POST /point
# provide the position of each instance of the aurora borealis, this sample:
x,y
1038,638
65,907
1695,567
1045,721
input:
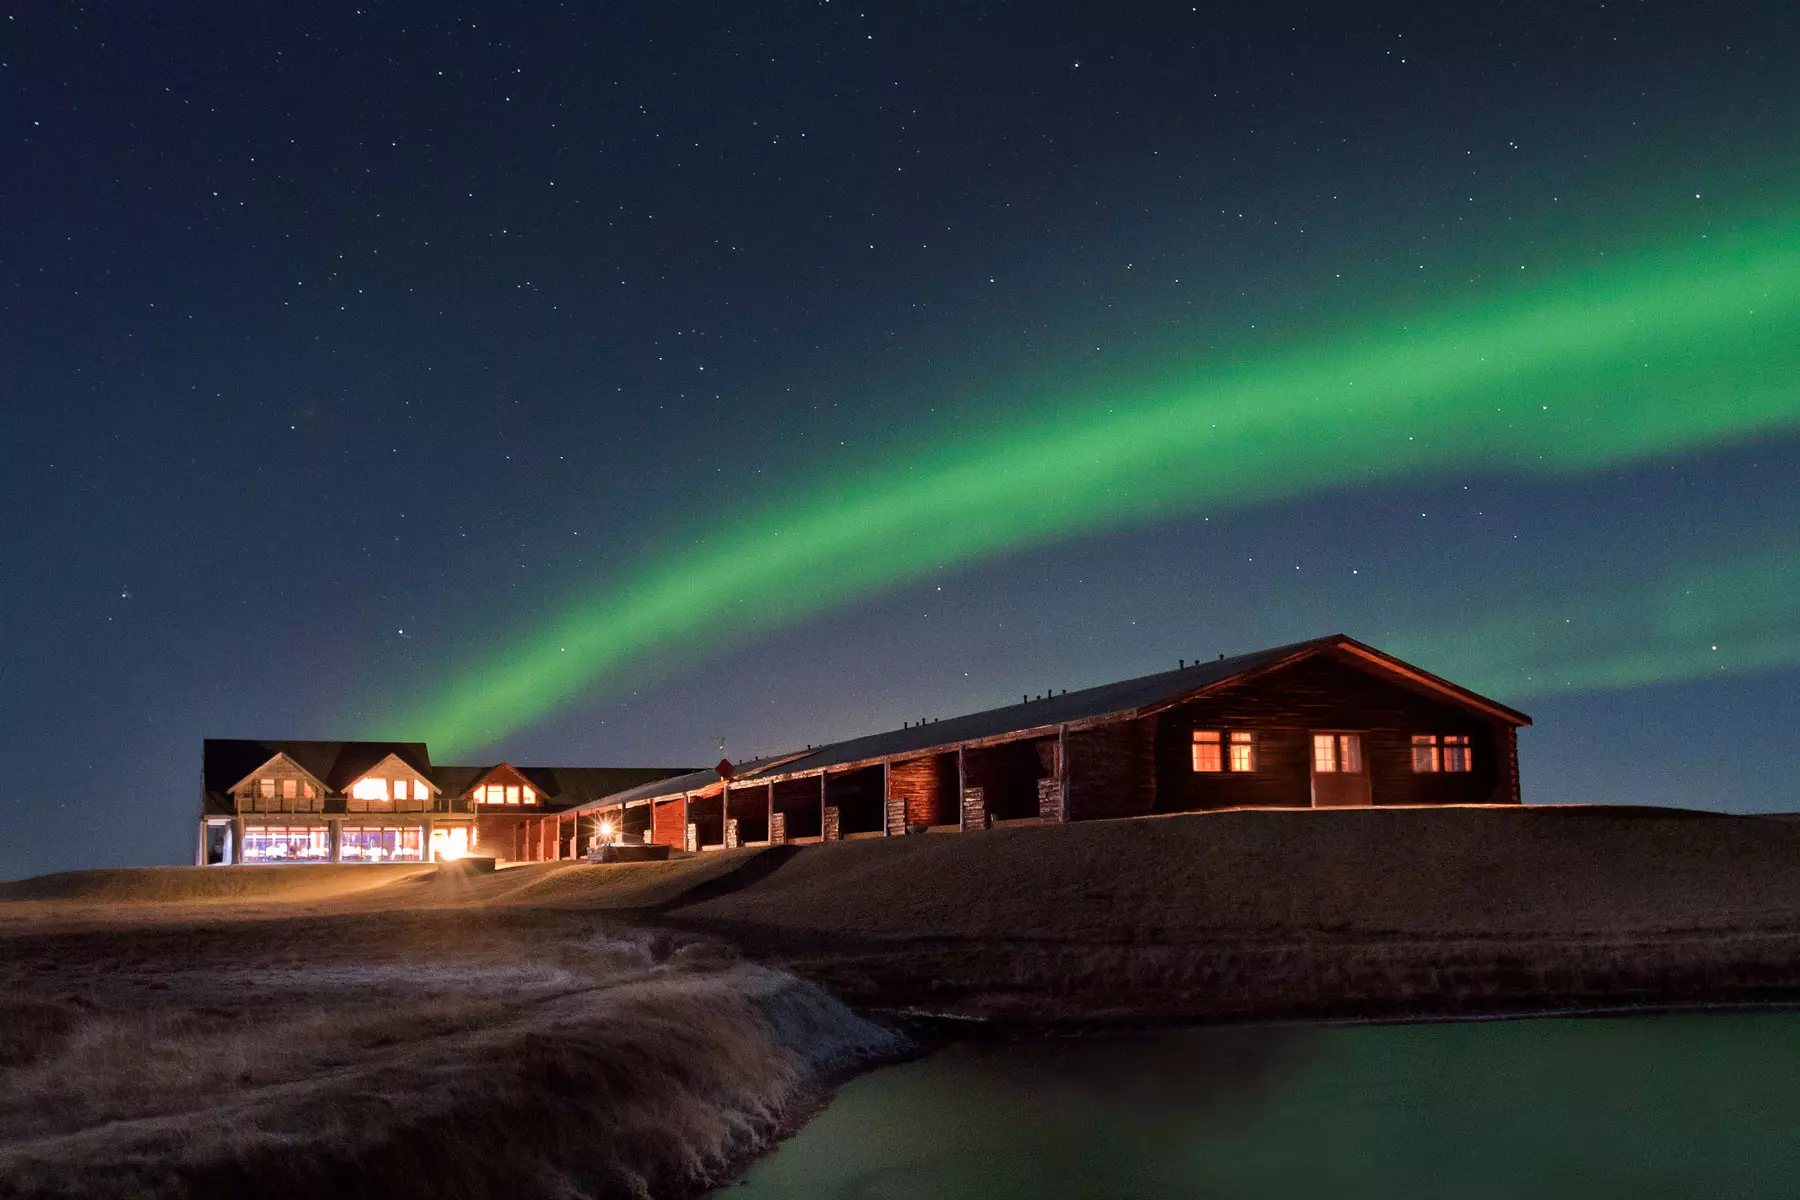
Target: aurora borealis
x,y
1677,348
627,383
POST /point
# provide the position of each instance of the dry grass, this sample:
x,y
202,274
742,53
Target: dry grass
x,y
564,1030
528,1059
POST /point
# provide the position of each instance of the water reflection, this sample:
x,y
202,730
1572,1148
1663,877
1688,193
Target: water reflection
x,y
1647,1107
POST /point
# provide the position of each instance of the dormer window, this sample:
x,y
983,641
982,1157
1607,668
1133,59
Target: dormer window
x,y
369,789
265,787
495,793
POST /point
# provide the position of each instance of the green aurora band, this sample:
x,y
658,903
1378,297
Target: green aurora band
x,y
1676,348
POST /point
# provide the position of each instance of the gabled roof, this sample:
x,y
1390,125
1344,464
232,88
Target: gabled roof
x,y
558,788
1096,705
693,781
385,759
260,767
336,764
226,761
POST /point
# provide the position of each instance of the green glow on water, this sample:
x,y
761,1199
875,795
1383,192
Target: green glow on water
x,y
1678,348
1548,1109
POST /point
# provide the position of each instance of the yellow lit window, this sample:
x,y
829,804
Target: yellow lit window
x,y
512,794
1243,752
419,790
1457,754
1206,751
529,797
266,787
1425,753
1337,753
369,789
290,789
306,789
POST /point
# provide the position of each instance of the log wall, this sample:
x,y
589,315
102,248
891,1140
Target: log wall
x,y
1284,708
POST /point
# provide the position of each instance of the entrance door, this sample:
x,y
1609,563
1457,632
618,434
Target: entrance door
x,y
1340,776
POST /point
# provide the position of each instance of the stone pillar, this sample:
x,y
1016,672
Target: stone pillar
x,y
828,824
893,821
334,837
692,840
974,808
1049,799
777,828
732,840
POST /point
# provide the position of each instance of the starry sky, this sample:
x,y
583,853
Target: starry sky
x,y
603,384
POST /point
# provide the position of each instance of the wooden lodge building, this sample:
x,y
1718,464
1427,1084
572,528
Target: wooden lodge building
x,y
367,802
1324,723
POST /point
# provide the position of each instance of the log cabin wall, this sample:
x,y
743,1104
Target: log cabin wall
x,y
1284,707
668,823
1112,770
922,791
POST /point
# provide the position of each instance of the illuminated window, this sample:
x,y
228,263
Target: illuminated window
x,y
1451,752
420,792
368,844
1337,753
266,787
1206,750
529,797
290,789
369,789
275,843
512,795
306,789
1243,752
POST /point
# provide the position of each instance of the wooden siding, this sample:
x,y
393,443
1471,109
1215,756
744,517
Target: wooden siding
x,y
280,768
1284,707
668,823
922,791
1112,770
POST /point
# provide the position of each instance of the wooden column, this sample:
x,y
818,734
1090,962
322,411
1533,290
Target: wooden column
x,y
770,789
887,801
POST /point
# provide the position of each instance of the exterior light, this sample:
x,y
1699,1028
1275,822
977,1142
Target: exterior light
x,y
606,830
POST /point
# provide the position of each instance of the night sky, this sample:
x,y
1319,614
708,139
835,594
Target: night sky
x,y
600,384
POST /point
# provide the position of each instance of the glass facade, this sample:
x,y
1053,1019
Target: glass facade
x,y
276,843
366,844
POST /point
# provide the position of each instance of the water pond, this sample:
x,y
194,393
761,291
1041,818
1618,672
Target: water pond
x,y
1672,1106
